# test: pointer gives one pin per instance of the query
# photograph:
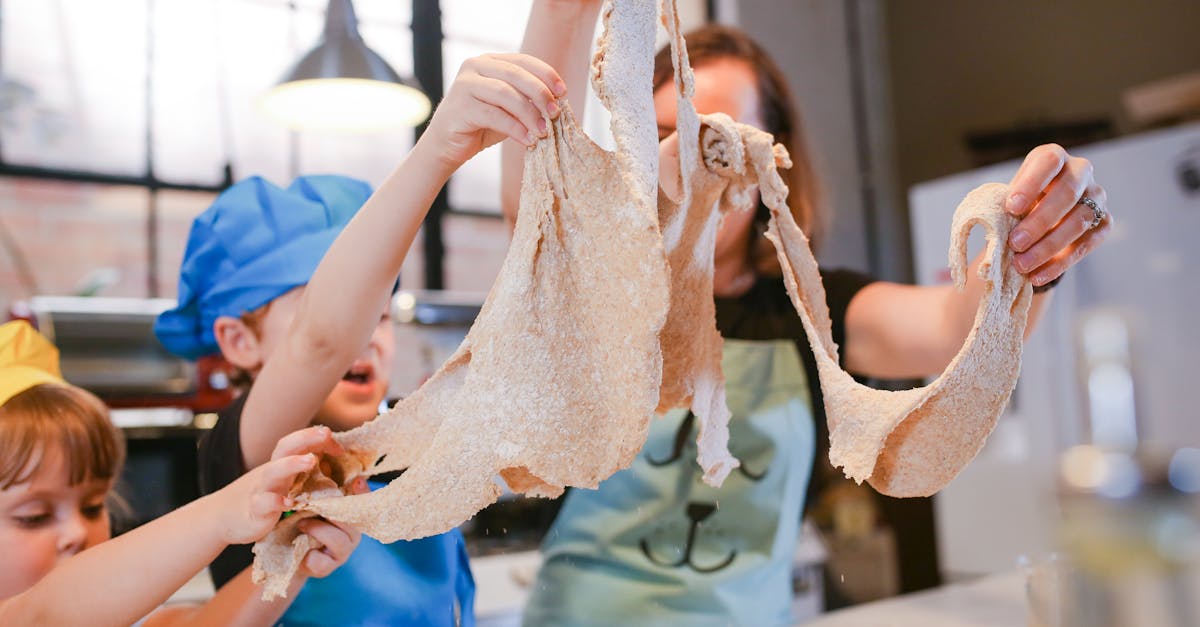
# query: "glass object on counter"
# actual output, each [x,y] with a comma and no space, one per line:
[1134,535]
[1129,510]
[1048,580]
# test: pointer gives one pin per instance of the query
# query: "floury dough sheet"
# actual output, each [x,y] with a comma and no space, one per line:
[602,314]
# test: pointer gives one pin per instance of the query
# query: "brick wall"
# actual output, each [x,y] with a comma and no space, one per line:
[66,231]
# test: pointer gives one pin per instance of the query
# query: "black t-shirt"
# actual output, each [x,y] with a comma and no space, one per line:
[766,313]
[221,463]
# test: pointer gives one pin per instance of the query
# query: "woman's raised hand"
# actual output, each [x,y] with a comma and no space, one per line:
[1064,213]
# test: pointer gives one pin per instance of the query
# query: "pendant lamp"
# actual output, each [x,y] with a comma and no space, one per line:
[342,85]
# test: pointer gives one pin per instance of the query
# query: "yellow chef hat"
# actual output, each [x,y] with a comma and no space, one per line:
[26,359]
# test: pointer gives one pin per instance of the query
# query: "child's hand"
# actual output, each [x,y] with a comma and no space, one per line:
[494,96]
[253,503]
[336,545]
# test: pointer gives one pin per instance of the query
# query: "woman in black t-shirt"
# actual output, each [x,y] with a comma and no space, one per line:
[654,545]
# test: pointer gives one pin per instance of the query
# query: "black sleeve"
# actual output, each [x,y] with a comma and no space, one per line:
[220,450]
[220,455]
[840,288]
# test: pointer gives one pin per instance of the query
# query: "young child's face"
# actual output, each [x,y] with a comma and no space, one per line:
[356,397]
[45,520]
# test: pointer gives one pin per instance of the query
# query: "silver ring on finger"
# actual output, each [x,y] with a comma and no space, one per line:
[1098,213]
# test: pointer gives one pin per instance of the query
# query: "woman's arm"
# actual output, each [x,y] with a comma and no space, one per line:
[903,331]
[119,581]
[493,97]
[560,33]
[897,331]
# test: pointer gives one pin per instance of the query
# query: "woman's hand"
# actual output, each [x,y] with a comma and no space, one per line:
[1056,229]
[252,504]
[493,97]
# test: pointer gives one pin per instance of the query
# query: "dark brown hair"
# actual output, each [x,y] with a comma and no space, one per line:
[63,416]
[713,42]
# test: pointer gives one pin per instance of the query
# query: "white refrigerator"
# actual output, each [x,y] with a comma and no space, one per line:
[1002,505]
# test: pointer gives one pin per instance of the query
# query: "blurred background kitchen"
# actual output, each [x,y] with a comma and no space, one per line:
[121,120]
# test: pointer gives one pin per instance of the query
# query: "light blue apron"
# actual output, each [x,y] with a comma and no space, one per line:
[654,545]
[418,582]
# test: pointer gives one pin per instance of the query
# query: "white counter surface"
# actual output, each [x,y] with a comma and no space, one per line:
[995,601]
[502,586]
[992,601]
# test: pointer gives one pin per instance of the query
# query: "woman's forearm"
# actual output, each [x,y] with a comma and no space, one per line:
[962,307]
[896,331]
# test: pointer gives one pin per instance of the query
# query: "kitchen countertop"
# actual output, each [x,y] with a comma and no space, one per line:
[998,600]
[502,586]
[992,601]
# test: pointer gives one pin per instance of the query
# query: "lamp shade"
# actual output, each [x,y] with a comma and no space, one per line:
[342,85]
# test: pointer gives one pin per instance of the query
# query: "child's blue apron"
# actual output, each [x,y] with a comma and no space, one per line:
[417,582]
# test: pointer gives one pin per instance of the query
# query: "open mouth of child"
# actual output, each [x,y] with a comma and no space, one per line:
[360,377]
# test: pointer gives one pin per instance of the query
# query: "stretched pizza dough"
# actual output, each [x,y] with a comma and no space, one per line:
[910,442]
[573,317]
[556,381]
[279,555]
[690,213]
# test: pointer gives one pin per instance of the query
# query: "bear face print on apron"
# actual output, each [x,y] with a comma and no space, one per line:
[654,545]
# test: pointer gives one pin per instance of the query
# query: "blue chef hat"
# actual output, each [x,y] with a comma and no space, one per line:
[255,242]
